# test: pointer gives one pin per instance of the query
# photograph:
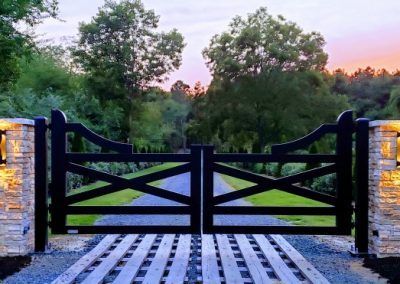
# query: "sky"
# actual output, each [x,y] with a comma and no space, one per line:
[358,33]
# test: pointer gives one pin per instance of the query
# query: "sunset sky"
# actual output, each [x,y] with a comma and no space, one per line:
[358,33]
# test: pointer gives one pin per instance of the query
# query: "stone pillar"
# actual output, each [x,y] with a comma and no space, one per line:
[17,188]
[384,188]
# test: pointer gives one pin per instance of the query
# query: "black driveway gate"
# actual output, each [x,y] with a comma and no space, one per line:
[339,163]
[63,161]
[202,205]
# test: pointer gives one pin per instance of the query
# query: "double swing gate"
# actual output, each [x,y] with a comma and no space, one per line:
[201,203]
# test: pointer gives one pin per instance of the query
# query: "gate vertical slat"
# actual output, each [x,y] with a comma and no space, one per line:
[208,188]
[195,188]
[41,182]
[58,171]
[362,175]
[344,172]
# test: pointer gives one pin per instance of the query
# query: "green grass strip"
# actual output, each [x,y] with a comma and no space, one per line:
[279,198]
[122,197]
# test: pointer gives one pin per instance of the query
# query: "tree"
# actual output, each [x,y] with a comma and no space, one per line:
[261,43]
[13,42]
[267,85]
[42,72]
[393,108]
[45,83]
[180,92]
[121,45]
[368,90]
[161,122]
[251,113]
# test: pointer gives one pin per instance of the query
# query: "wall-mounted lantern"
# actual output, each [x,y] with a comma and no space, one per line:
[3,151]
[398,149]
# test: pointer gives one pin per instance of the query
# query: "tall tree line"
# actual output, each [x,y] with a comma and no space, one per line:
[269,85]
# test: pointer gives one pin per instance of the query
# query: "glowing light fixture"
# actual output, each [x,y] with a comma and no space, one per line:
[3,152]
[398,149]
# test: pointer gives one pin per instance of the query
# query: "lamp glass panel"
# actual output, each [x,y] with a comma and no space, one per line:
[398,151]
[3,152]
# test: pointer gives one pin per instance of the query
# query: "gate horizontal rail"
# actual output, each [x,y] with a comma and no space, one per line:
[339,163]
[65,161]
[202,205]
[275,158]
[148,157]
[274,210]
[137,210]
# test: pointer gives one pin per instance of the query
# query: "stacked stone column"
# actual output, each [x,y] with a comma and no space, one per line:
[17,188]
[384,189]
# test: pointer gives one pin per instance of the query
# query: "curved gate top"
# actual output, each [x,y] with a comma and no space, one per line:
[202,205]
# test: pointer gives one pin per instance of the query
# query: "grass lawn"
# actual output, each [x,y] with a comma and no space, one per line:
[280,198]
[118,198]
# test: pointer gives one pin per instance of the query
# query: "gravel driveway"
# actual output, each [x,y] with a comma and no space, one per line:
[334,262]
[181,184]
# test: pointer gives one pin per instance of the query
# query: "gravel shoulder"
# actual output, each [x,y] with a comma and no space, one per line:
[64,251]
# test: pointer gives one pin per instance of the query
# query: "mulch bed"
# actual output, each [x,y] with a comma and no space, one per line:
[388,267]
[10,265]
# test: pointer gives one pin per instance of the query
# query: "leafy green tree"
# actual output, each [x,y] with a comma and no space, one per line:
[251,113]
[175,114]
[121,45]
[197,131]
[180,92]
[393,108]
[160,123]
[42,72]
[45,83]
[368,90]
[26,103]
[261,43]
[267,86]
[13,42]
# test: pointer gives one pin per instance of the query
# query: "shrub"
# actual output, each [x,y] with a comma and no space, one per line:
[76,181]
[291,168]
[325,184]
[272,169]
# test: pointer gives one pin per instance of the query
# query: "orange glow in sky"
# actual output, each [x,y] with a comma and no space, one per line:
[358,33]
[380,49]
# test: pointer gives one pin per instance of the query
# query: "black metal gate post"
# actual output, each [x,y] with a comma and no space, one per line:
[41,182]
[58,172]
[208,188]
[362,175]
[344,172]
[195,188]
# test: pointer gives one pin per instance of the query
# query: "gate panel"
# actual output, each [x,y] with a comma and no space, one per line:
[339,163]
[64,161]
[202,206]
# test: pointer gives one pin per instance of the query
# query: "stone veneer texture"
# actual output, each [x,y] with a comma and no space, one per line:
[384,189]
[17,188]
